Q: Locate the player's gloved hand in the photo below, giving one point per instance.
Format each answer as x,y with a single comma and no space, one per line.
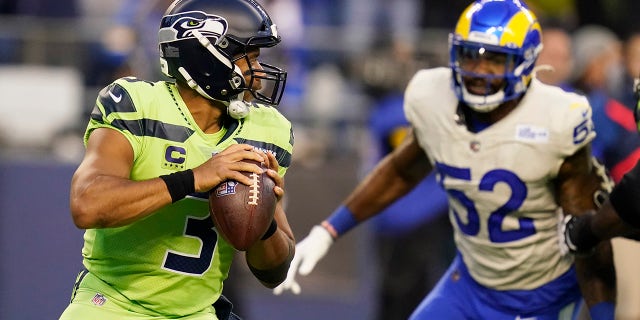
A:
576,235
308,252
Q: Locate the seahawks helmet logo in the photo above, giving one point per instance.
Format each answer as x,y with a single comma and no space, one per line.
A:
181,26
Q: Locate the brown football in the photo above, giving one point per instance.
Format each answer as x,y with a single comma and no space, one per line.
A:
242,213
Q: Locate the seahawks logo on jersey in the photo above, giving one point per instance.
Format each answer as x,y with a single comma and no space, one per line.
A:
182,26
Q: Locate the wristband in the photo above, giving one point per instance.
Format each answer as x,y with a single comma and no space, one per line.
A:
180,184
271,230
603,311
340,221
277,274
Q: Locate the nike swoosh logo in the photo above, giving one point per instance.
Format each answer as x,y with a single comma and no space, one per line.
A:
115,98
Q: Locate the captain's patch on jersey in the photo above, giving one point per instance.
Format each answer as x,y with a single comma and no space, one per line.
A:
174,157
532,133
226,188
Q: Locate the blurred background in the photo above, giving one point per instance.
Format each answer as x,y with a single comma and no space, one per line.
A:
348,63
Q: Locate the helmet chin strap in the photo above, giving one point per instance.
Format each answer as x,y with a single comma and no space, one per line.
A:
236,108
193,84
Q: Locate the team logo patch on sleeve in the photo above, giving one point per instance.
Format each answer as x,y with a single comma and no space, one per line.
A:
226,188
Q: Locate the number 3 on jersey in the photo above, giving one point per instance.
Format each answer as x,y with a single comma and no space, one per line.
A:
189,264
488,183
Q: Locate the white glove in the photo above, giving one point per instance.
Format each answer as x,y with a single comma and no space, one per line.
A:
308,252
562,236
576,236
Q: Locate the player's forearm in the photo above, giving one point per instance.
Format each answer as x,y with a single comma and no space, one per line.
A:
271,252
606,223
579,181
378,190
597,276
107,201
269,259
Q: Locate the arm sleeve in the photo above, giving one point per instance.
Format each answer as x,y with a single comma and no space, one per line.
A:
625,197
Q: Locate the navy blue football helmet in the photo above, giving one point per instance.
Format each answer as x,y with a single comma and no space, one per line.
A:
201,39
495,27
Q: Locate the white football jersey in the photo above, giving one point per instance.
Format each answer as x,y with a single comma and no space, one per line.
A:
499,181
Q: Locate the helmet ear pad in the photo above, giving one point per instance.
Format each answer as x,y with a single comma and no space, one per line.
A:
204,68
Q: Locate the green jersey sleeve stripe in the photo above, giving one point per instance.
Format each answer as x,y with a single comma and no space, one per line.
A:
154,128
291,139
96,115
114,98
283,156
149,128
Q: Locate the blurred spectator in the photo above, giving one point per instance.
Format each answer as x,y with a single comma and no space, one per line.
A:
291,52
556,54
10,41
288,13
442,14
321,21
561,11
367,21
48,8
617,15
7,43
130,46
597,73
631,60
99,9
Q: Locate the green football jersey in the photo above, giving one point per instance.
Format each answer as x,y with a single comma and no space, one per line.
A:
172,262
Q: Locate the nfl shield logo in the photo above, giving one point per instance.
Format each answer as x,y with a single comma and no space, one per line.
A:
226,188
99,299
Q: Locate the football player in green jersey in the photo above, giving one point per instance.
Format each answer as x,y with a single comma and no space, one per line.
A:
155,149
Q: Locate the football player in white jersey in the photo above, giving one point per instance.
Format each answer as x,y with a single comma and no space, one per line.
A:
513,155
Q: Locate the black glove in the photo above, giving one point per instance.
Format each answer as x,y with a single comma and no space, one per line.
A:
578,236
